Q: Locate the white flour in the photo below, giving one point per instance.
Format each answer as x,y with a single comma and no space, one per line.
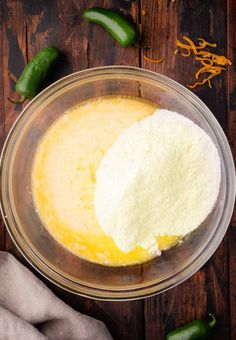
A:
160,177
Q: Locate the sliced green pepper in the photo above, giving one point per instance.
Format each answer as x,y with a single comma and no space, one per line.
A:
35,73
120,28
195,330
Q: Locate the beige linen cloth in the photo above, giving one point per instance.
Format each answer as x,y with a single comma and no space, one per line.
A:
30,311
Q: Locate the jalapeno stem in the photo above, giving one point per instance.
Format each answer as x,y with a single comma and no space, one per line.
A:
212,323
20,101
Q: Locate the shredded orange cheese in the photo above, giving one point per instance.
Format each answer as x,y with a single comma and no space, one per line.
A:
153,60
210,61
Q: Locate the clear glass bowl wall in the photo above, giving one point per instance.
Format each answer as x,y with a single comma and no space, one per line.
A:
32,238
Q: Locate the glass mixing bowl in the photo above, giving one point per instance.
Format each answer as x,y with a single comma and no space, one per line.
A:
34,241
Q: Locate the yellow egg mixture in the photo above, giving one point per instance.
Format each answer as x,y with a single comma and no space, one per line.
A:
64,177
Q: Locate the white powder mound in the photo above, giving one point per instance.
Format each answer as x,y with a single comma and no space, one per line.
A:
160,177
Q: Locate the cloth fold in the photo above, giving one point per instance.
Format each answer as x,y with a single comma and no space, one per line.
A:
30,311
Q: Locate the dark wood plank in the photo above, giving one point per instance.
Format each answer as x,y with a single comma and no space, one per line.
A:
13,44
26,26
232,280
14,59
2,116
31,25
231,15
164,311
231,131
207,290
123,319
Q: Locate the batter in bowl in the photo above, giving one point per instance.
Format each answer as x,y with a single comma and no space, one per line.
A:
64,180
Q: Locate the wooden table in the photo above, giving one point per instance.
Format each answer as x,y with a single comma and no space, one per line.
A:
28,25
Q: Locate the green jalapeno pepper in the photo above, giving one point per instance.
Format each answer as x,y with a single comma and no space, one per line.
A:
195,330
35,73
121,29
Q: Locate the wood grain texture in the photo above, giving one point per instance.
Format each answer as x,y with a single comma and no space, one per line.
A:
13,48
2,115
27,26
231,16
14,59
31,25
207,290
232,280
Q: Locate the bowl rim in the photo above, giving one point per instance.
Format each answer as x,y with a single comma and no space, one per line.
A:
94,291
